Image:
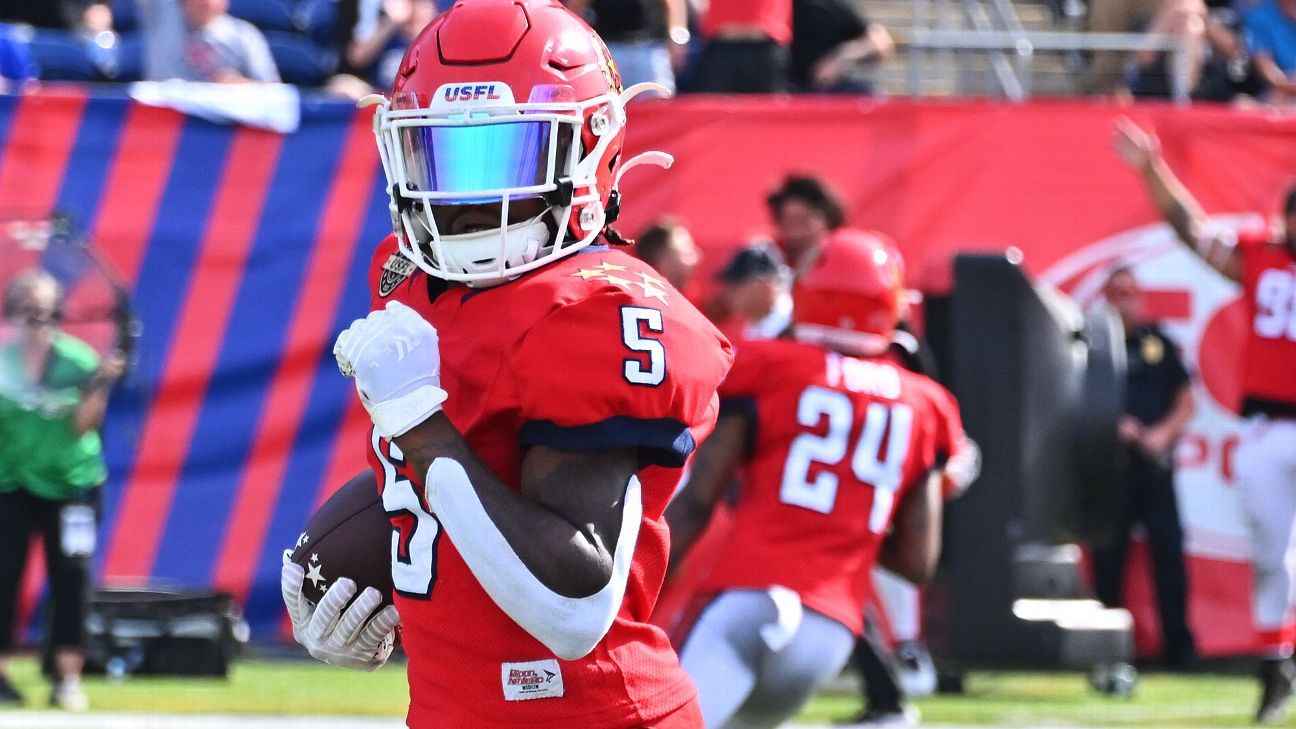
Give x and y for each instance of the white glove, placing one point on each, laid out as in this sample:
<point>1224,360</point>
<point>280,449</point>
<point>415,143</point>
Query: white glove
<point>353,637</point>
<point>394,357</point>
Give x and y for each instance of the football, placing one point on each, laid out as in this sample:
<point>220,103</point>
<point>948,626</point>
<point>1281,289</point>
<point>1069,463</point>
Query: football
<point>349,536</point>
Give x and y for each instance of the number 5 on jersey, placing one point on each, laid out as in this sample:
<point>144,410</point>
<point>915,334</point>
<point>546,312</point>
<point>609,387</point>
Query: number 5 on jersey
<point>638,325</point>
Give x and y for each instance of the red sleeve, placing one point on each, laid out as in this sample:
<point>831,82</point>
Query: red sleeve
<point>748,374</point>
<point>610,371</point>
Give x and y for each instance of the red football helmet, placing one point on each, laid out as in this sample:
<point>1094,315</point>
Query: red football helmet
<point>498,102</point>
<point>853,294</point>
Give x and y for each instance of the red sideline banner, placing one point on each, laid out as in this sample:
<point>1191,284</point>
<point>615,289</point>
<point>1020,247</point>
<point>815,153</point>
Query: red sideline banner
<point>946,177</point>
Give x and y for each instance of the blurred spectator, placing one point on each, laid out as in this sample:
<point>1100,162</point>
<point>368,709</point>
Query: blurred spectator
<point>648,39</point>
<point>804,210</point>
<point>1152,72</point>
<point>1219,66</point>
<point>755,298</point>
<point>1106,68</point>
<point>58,14</point>
<point>378,42</point>
<point>668,247</point>
<point>829,39</point>
<point>53,393</point>
<point>1158,404</point>
<point>16,65</point>
<point>745,48</point>
<point>1271,36</point>
<point>198,40</point>
<point>1230,73</point>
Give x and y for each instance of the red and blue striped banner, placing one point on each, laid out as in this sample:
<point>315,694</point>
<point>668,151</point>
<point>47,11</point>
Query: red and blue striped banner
<point>246,251</point>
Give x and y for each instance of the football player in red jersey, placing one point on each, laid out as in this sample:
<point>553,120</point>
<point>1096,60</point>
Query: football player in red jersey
<point>843,461</point>
<point>534,393</point>
<point>1265,463</point>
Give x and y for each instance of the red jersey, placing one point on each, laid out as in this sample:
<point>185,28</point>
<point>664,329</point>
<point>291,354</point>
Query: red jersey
<point>591,352</point>
<point>774,17</point>
<point>838,441</point>
<point>1269,286</point>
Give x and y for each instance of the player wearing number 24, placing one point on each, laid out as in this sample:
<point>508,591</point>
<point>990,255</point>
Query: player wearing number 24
<point>534,393</point>
<point>845,459</point>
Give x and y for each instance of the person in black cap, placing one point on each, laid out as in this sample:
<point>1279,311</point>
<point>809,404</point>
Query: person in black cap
<point>754,301</point>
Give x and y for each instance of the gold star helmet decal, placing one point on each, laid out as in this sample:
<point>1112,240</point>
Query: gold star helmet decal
<point>652,287</point>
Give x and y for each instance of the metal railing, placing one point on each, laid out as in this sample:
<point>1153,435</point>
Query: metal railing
<point>992,27</point>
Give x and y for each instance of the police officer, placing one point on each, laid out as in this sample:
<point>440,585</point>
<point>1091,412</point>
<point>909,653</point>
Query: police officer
<point>1158,404</point>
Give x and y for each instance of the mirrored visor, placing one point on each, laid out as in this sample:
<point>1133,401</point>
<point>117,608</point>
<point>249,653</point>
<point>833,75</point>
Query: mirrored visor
<point>465,159</point>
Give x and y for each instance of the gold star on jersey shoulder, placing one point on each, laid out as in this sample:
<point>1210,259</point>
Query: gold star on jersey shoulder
<point>652,288</point>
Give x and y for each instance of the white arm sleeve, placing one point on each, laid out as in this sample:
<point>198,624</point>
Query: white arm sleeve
<point>568,626</point>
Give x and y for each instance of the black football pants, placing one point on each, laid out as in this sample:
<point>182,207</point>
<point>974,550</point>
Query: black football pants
<point>21,516</point>
<point>1152,503</point>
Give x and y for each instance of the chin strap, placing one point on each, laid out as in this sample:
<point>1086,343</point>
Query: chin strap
<point>568,626</point>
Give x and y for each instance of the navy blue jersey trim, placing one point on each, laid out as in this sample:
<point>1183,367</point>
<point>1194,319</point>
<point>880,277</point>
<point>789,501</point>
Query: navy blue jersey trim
<point>661,441</point>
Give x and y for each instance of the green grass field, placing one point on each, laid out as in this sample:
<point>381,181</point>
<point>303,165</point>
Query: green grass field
<point>992,698</point>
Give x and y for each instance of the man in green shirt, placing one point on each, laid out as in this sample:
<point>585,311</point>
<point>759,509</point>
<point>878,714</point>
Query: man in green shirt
<point>53,394</point>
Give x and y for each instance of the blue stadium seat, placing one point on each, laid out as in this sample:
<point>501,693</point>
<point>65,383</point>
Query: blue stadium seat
<point>130,57</point>
<point>125,16</point>
<point>318,19</point>
<point>299,60</point>
<point>264,14</point>
<point>61,56</point>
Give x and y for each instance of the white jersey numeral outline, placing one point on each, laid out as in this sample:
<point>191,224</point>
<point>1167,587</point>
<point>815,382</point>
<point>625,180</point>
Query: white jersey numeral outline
<point>414,572</point>
<point>820,493</point>
<point>1275,298</point>
<point>632,336</point>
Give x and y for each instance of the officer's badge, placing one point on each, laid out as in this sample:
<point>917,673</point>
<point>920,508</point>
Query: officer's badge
<point>1152,349</point>
<point>394,272</point>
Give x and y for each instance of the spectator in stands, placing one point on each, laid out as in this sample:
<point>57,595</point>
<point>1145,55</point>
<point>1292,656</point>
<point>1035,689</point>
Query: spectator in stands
<point>804,210</point>
<point>1271,36</point>
<point>53,393</point>
<point>1106,68</point>
<point>648,39</point>
<point>1151,72</point>
<point>745,48</point>
<point>668,247</point>
<point>1219,66</point>
<point>829,40</point>
<point>755,296</point>
<point>93,15</point>
<point>1158,404</point>
<point>378,44</point>
<point>198,40</point>
<point>16,67</point>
